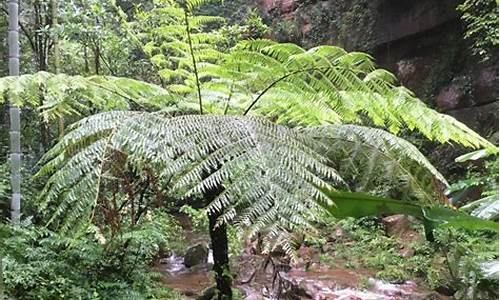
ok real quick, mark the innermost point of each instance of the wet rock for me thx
(248, 266)
(305, 252)
(328, 247)
(337, 235)
(485, 85)
(406, 69)
(448, 98)
(307, 256)
(456, 94)
(284, 8)
(195, 255)
(399, 226)
(208, 294)
(396, 225)
(251, 293)
(406, 252)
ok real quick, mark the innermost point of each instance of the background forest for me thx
(197, 149)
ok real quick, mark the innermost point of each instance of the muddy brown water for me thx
(258, 283)
(321, 284)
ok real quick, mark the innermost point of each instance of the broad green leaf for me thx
(347, 204)
(475, 155)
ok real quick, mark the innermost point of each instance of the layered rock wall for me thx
(420, 41)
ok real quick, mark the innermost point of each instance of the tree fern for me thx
(284, 82)
(270, 177)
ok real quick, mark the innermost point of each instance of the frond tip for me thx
(375, 158)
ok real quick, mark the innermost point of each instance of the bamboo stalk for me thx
(15, 113)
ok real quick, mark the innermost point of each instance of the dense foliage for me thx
(42, 264)
(481, 19)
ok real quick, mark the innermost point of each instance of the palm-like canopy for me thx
(269, 176)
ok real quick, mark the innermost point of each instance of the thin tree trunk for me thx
(41, 59)
(15, 113)
(97, 51)
(55, 24)
(97, 58)
(40, 40)
(2, 297)
(86, 59)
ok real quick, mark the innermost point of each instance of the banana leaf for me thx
(349, 204)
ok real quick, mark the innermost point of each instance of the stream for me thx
(258, 278)
(257, 283)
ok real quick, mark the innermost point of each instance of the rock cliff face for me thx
(420, 41)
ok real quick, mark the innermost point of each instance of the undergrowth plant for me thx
(471, 260)
(482, 174)
(41, 264)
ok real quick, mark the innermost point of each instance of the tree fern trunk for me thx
(15, 113)
(220, 248)
(219, 241)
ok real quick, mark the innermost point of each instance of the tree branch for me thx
(24, 30)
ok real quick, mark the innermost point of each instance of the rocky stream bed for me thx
(257, 283)
(263, 277)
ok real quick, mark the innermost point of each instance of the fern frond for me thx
(61, 94)
(375, 158)
(485, 208)
(350, 86)
(271, 177)
(244, 155)
(198, 21)
(193, 4)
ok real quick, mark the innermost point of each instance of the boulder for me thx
(248, 267)
(399, 227)
(195, 255)
(456, 94)
(396, 225)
